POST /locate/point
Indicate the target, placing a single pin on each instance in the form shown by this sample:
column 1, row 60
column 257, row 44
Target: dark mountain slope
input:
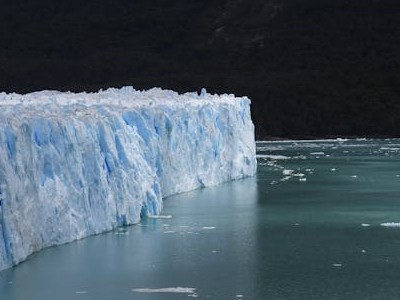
column 312, row 68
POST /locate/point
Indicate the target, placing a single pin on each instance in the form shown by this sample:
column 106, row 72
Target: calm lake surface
column 310, row 225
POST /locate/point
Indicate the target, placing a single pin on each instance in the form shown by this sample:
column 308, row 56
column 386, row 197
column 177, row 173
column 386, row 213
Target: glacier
column 78, row 164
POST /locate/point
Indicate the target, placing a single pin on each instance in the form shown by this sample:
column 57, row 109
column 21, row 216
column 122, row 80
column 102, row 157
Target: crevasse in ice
column 72, row 165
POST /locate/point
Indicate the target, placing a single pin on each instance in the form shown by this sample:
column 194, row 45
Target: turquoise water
column 308, row 226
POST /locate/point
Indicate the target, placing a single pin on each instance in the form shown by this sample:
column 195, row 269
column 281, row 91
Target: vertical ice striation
column 72, row 165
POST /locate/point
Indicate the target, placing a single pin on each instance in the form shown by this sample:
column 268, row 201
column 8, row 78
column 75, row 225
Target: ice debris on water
column 273, row 157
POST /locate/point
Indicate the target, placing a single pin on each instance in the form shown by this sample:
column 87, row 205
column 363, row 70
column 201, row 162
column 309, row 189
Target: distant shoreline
column 330, row 137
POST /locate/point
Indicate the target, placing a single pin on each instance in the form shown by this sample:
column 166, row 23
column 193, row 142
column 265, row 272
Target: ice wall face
column 72, row 165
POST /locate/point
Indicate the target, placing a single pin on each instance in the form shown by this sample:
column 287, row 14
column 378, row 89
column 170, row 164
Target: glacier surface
column 73, row 165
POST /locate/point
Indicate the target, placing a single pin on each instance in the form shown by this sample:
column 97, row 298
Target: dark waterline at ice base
column 320, row 221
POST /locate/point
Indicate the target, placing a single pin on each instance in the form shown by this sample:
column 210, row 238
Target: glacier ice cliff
column 73, row 165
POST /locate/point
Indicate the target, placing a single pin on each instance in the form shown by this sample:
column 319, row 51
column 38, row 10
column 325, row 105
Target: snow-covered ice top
column 72, row 165
column 126, row 97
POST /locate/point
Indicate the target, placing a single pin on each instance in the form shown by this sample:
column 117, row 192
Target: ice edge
column 73, row 165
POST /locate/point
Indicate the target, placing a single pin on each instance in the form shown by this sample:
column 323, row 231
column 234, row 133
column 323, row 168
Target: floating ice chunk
column 121, row 233
column 317, row 153
column 333, row 169
column 160, row 217
column 272, row 157
column 363, row 251
column 287, row 172
column 81, row 292
column 177, row 290
column 365, row 225
column 337, row 265
column 302, row 179
column 391, row 224
column 354, row 176
column 390, row 149
column 300, row 157
column 208, row 228
column 286, row 178
column 299, row 175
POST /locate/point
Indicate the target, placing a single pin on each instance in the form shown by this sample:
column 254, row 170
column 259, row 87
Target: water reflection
column 267, row 237
column 208, row 244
